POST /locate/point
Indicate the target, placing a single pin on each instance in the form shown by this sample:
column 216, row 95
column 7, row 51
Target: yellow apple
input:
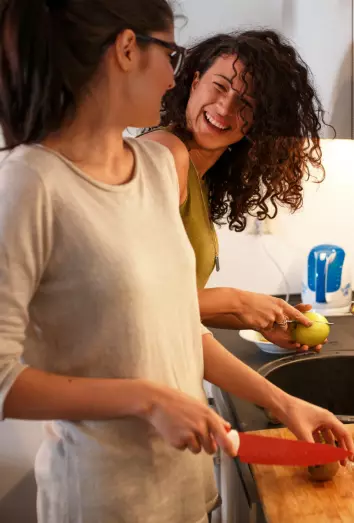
column 314, row 335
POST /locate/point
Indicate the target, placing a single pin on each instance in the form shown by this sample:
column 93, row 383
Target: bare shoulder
column 179, row 152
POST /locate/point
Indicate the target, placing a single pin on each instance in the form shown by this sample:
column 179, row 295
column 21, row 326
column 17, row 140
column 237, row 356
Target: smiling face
column 220, row 109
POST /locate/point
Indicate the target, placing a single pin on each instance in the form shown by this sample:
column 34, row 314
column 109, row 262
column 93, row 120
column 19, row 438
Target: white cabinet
column 321, row 30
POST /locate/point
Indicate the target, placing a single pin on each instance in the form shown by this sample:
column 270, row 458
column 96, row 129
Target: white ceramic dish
column 265, row 346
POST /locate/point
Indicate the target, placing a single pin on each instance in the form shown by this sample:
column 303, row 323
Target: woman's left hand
column 308, row 422
column 281, row 335
column 282, row 338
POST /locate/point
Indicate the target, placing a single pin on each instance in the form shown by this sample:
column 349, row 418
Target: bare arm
column 229, row 373
column 181, row 420
column 179, row 152
column 224, row 321
column 237, row 309
column 38, row 395
column 226, row 308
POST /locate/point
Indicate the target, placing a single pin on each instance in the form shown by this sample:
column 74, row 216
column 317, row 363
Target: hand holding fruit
column 311, row 336
column 300, row 337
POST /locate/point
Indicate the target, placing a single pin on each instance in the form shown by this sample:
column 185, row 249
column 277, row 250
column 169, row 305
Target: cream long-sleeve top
column 99, row 281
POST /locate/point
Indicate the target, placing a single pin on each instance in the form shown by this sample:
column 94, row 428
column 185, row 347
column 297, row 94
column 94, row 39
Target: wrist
column 143, row 394
column 237, row 300
column 147, row 398
column 278, row 402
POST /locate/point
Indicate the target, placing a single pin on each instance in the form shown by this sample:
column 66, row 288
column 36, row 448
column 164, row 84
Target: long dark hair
column 267, row 167
column 50, row 50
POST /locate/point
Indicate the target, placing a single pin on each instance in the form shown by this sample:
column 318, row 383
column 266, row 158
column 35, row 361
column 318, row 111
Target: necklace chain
column 206, row 210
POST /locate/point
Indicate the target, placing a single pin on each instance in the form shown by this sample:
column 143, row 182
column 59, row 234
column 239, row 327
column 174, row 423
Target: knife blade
column 313, row 321
column 264, row 450
column 289, row 322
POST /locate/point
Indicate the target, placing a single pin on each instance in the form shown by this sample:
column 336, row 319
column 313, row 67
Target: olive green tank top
column 200, row 229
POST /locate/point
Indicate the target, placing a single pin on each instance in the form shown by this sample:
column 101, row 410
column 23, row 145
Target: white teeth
column 214, row 122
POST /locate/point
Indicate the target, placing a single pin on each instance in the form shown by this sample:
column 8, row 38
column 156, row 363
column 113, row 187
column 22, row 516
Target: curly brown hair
column 267, row 167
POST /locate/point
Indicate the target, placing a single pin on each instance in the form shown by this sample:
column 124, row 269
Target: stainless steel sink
column 325, row 379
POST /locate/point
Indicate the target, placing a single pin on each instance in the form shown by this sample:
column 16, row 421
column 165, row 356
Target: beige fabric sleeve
column 25, row 240
column 205, row 331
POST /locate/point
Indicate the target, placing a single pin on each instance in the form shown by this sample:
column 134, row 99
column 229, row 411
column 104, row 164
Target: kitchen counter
column 248, row 417
column 289, row 495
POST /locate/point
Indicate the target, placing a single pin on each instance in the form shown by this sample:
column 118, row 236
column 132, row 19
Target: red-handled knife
column 264, row 450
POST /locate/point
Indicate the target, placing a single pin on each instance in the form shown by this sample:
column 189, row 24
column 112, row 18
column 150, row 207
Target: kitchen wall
column 322, row 31
column 327, row 216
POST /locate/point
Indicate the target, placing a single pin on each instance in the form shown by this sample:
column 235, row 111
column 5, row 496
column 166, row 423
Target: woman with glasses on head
column 99, row 320
column 243, row 125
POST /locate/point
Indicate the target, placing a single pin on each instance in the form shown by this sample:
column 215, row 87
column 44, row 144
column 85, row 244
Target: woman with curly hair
column 243, row 126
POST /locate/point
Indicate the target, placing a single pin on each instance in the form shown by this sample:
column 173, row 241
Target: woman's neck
column 204, row 159
column 94, row 143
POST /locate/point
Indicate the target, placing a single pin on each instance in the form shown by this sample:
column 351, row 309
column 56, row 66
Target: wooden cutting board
column 289, row 495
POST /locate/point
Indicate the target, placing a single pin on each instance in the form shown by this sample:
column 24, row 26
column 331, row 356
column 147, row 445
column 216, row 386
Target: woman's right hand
column 185, row 422
column 225, row 307
column 261, row 312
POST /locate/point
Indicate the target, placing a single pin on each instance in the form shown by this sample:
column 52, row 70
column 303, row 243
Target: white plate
column 265, row 346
